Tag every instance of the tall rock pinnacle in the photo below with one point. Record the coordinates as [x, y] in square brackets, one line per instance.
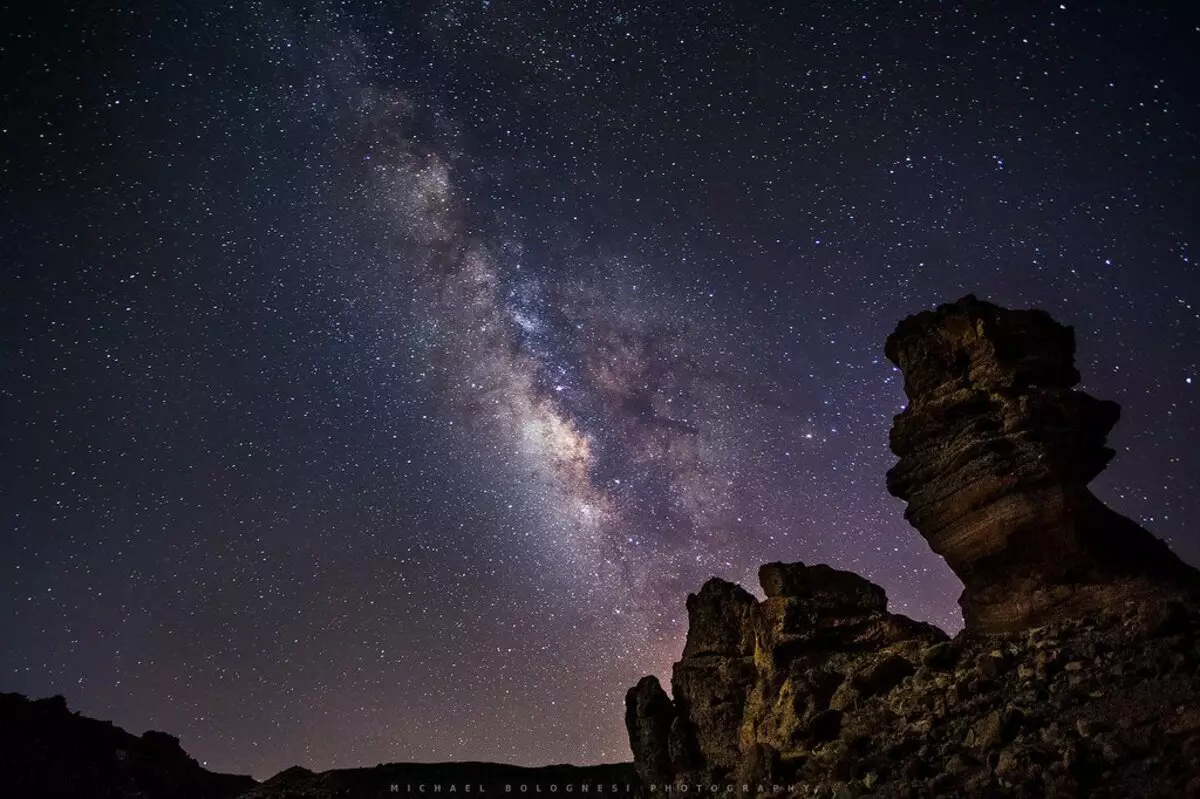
[1078, 673]
[996, 450]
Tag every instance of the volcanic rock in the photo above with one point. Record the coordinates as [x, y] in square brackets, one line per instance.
[648, 718]
[847, 700]
[996, 449]
[712, 680]
[757, 681]
[1078, 673]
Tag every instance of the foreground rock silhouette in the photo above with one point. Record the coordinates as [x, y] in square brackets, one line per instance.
[48, 752]
[1078, 672]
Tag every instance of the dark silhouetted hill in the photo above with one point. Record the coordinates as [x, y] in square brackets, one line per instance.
[48, 752]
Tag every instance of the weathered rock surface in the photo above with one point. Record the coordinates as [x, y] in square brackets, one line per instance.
[846, 700]
[1078, 673]
[768, 679]
[46, 751]
[996, 449]
[716, 674]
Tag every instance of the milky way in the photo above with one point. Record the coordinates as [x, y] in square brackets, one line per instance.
[604, 397]
[377, 382]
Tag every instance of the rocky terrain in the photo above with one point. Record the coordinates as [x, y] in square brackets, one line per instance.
[1077, 673]
[48, 752]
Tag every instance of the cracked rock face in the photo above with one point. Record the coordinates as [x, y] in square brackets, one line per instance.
[760, 682]
[996, 449]
[1078, 672]
[842, 698]
[716, 674]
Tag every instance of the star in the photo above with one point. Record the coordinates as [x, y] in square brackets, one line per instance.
[377, 385]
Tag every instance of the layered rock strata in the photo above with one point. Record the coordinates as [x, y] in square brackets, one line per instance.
[996, 449]
[1078, 672]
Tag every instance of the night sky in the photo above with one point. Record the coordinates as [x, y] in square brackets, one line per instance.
[377, 379]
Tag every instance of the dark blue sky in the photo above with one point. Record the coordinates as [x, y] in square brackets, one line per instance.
[377, 379]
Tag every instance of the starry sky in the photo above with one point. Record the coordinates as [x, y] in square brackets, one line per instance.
[376, 379]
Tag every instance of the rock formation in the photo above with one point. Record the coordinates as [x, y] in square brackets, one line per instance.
[1078, 673]
[996, 449]
[1092, 707]
[768, 679]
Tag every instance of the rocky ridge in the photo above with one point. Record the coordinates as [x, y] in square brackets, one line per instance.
[1078, 671]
